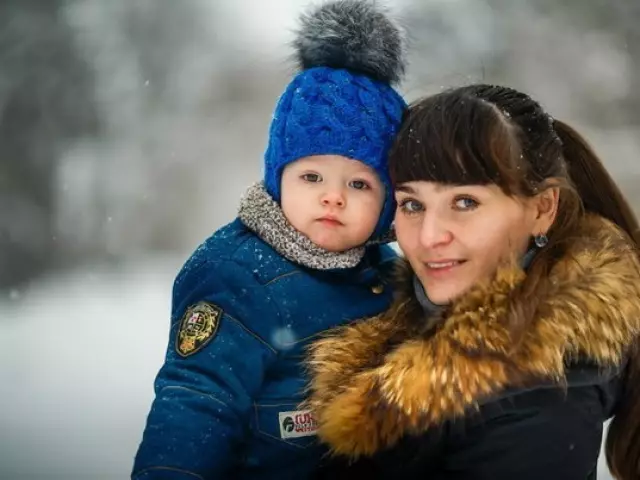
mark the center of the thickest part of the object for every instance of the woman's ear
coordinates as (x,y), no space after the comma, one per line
(545,206)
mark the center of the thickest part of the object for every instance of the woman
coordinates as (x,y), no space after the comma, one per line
(515,330)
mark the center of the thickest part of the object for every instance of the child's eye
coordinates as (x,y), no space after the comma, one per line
(311,177)
(465,203)
(359,184)
(410,206)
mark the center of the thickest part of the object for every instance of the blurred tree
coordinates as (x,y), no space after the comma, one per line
(620,21)
(42,80)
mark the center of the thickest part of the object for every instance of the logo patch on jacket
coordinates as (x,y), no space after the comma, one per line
(297,424)
(198,326)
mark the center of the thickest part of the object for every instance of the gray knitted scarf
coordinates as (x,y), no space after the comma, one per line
(264,216)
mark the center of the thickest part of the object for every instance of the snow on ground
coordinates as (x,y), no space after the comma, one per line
(79,354)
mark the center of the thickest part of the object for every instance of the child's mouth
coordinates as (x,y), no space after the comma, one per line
(330,221)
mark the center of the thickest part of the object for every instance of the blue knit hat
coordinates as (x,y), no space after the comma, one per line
(342,101)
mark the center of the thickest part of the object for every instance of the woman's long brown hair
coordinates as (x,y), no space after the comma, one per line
(487,134)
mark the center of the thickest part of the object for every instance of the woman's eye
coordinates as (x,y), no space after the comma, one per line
(311,177)
(465,203)
(410,206)
(359,184)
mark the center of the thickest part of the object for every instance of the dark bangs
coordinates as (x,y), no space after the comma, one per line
(457,139)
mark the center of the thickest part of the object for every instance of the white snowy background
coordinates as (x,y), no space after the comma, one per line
(184,93)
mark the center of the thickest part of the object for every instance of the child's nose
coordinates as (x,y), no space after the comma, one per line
(333,198)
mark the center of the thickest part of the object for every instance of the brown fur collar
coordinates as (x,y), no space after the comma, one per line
(374,381)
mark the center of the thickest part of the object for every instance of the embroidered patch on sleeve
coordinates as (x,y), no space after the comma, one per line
(198,326)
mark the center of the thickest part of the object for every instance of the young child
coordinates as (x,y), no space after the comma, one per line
(303,256)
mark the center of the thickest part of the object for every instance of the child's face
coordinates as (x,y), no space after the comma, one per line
(333,200)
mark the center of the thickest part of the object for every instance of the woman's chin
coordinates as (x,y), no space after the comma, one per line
(441,293)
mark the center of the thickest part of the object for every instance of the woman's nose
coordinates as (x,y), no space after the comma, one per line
(434,232)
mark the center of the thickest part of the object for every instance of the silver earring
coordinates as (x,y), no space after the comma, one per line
(541,240)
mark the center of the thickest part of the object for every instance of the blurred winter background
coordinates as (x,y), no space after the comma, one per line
(128,131)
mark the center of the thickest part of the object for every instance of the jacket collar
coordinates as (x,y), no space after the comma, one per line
(403,371)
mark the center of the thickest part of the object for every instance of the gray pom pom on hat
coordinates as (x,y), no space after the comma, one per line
(355,35)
